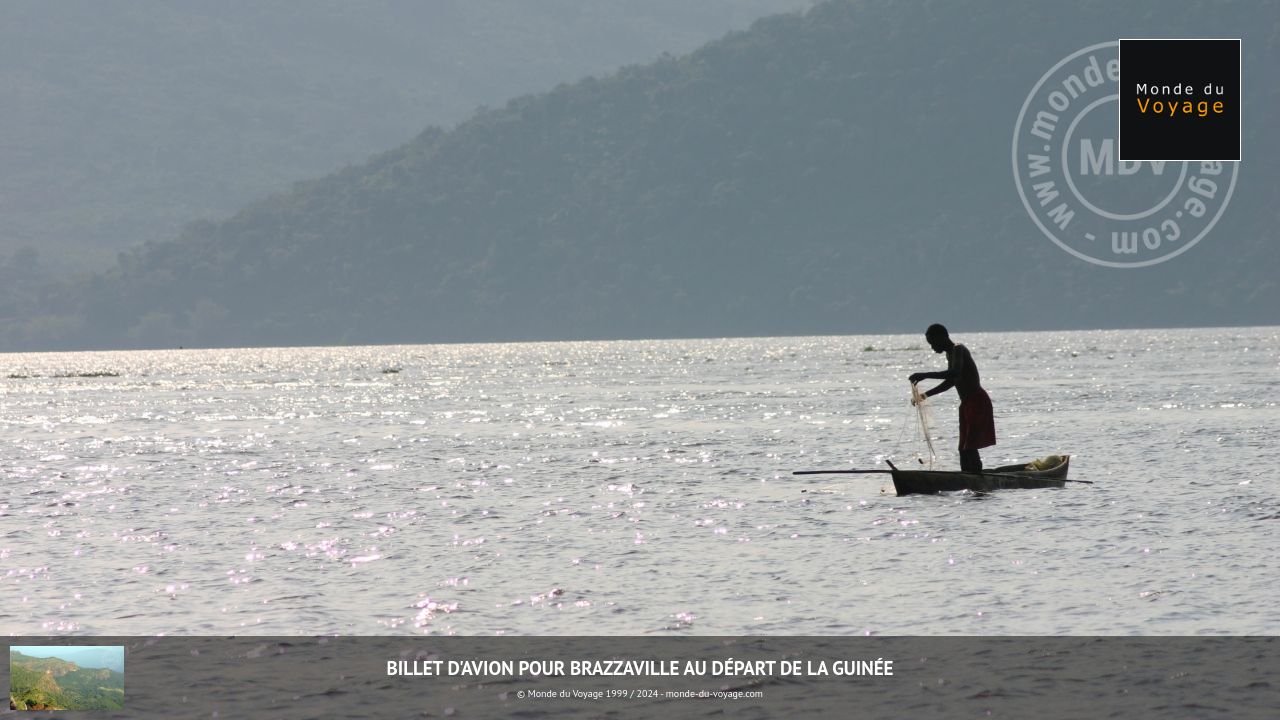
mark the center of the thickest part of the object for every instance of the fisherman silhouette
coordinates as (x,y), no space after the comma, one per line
(977,420)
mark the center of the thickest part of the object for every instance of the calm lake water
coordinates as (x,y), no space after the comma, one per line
(637,488)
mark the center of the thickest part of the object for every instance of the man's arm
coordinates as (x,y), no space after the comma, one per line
(917,377)
(944,386)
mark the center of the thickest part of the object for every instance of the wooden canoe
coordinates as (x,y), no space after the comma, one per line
(1008,477)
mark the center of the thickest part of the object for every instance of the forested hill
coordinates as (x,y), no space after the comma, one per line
(55,684)
(123,121)
(846,170)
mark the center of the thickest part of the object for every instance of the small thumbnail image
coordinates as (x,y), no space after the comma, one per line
(66,677)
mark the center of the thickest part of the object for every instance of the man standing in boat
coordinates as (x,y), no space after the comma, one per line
(977,421)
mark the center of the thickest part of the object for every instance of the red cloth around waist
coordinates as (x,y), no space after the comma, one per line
(977,421)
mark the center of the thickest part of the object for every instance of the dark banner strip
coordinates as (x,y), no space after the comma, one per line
(635,677)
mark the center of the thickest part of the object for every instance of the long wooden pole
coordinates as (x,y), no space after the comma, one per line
(840,472)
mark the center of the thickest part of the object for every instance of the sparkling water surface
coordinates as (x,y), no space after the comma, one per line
(639,487)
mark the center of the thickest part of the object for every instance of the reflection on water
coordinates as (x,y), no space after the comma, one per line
(635,487)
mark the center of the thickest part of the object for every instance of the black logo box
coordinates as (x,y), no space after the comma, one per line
(1186,67)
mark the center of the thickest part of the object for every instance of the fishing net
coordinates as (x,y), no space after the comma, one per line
(924,420)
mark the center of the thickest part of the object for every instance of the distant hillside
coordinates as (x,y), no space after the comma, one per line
(842,171)
(123,121)
(55,684)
